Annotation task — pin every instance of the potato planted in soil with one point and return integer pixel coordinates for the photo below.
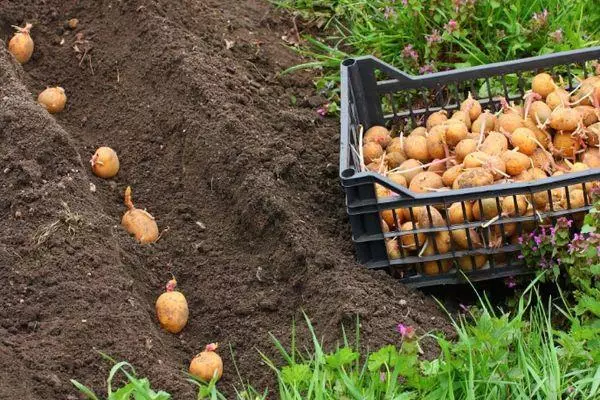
(21, 45)
(207, 364)
(172, 309)
(139, 223)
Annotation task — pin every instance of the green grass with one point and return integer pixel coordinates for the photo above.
(497, 355)
(487, 31)
(134, 388)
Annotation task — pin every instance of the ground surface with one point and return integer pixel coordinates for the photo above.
(244, 183)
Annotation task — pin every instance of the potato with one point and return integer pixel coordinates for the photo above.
(396, 145)
(490, 122)
(456, 215)
(393, 160)
(465, 147)
(438, 168)
(538, 173)
(593, 134)
(514, 205)
(586, 89)
(559, 97)
(432, 267)
(436, 142)
(451, 174)
(539, 112)
(488, 209)
(468, 263)
(415, 147)
(576, 199)
(388, 217)
(436, 118)
(591, 158)
(459, 236)
(564, 119)
(379, 135)
(384, 226)
(412, 166)
(524, 176)
(425, 181)
(508, 122)
(372, 151)
(408, 240)
(565, 144)
(473, 178)
(462, 116)
(543, 84)
(588, 114)
(542, 136)
(475, 159)
(495, 144)
(381, 191)
(516, 162)
(398, 178)
(541, 159)
(524, 139)
(443, 242)
(471, 107)
(423, 219)
(393, 251)
(420, 131)
(456, 131)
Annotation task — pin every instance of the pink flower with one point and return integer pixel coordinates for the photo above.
(435, 37)
(410, 52)
(404, 3)
(382, 376)
(557, 35)
(540, 19)
(451, 26)
(389, 12)
(322, 111)
(510, 282)
(407, 332)
(426, 69)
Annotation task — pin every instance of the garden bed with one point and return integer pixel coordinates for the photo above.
(246, 183)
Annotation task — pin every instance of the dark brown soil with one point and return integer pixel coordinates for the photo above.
(244, 184)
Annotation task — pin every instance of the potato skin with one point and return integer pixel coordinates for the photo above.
(474, 177)
(141, 225)
(495, 144)
(172, 311)
(205, 364)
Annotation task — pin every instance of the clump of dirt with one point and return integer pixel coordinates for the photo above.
(243, 183)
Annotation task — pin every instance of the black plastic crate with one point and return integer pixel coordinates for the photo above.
(375, 93)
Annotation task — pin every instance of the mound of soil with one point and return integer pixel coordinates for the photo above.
(243, 183)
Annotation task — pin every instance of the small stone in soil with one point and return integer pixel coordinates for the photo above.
(201, 225)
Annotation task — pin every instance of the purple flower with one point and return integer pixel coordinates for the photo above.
(404, 3)
(389, 12)
(451, 26)
(520, 256)
(534, 248)
(410, 52)
(510, 282)
(558, 261)
(520, 239)
(557, 35)
(552, 231)
(382, 376)
(435, 37)
(426, 69)
(538, 240)
(407, 332)
(540, 19)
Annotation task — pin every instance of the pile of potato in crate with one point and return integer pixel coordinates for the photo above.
(554, 132)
